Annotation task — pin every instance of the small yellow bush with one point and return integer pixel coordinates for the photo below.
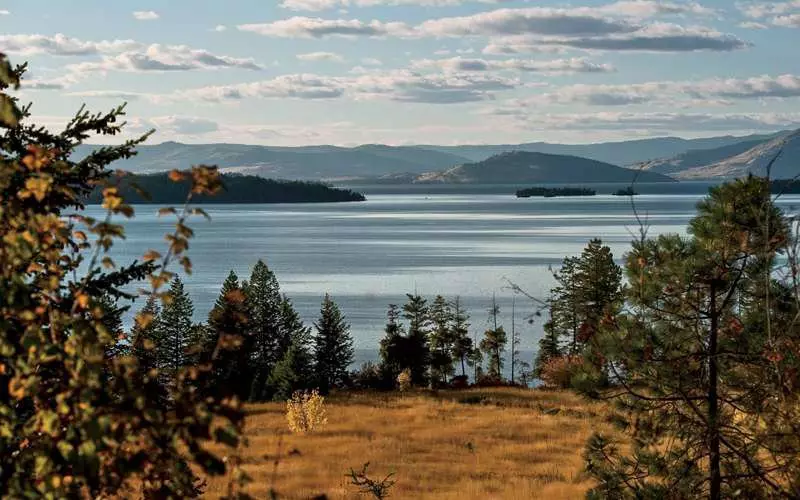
(306, 411)
(404, 380)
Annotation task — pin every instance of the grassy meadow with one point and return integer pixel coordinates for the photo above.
(478, 443)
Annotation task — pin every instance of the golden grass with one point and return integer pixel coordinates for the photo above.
(481, 443)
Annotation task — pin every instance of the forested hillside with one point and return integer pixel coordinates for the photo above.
(235, 189)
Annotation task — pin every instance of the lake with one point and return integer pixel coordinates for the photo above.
(468, 242)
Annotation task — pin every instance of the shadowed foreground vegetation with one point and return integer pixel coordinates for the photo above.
(478, 443)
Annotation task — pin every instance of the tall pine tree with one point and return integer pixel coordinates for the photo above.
(417, 312)
(463, 345)
(441, 340)
(333, 347)
(176, 323)
(494, 343)
(705, 359)
(268, 341)
(229, 326)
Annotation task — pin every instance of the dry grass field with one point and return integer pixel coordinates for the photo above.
(481, 443)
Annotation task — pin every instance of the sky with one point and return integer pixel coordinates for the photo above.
(347, 72)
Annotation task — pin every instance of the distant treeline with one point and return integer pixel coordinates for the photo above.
(553, 192)
(237, 189)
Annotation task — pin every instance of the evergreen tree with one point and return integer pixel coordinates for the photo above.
(269, 341)
(393, 358)
(229, 340)
(441, 340)
(705, 359)
(149, 339)
(333, 346)
(176, 323)
(463, 346)
(598, 287)
(493, 344)
(291, 373)
(417, 313)
(549, 348)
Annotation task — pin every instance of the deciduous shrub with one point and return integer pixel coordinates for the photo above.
(558, 372)
(305, 411)
(404, 380)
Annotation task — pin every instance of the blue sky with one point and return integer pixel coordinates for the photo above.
(294, 72)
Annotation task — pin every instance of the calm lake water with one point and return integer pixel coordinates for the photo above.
(368, 255)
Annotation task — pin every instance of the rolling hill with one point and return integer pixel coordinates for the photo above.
(527, 167)
(753, 160)
(699, 157)
(616, 153)
(302, 163)
(376, 160)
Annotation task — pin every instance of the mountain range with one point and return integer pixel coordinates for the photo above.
(748, 157)
(524, 167)
(708, 158)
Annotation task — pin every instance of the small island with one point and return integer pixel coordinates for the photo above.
(548, 192)
(237, 189)
(628, 191)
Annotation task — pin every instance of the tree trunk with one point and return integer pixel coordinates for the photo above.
(715, 475)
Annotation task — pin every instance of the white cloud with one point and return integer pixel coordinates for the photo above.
(145, 15)
(157, 57)
(4, 12)
(588, 28)
(573, 65)
(668, 93)
(309, 27)
(116, 95)
(371, 61)
(220, 28)
(662, 123)
(752, 25)
(789, 21)
(318, 5)
(62, 45)
(320, 56)
(785, 14)
(396, 85)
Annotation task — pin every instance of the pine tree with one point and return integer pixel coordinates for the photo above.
(463, 346)
(333, 346)
(149, 339)
(176, 323)
(291, 373)
(417, 313)
(493, 344)
(703, 357)
(269, 342)
(441, 340)
(228, 322)
(549, 348)
(393, 360)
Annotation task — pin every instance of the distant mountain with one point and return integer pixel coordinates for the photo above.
(526, 167)
(699, 157)
(375, 160)
(616, 153)
(753, 161)
(302, 163)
